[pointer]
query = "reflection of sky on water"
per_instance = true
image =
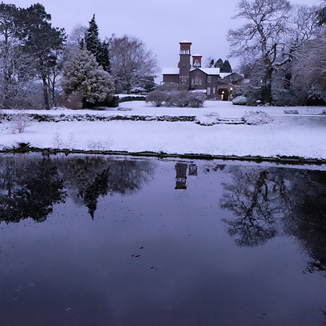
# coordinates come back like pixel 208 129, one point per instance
pixel 72 270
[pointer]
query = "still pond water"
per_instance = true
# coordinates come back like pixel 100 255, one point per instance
pixel 93 240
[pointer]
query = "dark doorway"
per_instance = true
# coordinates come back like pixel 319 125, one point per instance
pixel 224 94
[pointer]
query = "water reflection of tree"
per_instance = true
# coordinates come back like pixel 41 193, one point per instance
pixel 276 201
pixel 308 217
pixel 29 188
pixel 97 176
pixel 256 196
pixel 31 185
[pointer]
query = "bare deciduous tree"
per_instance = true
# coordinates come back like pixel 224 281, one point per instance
pixel 275 30
pixel 75 38
pixel 131 62
pixel 309 69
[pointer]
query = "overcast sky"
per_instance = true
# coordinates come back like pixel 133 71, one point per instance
pixel 161 24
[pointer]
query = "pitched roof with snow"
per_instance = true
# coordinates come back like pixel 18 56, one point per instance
pixel 224 74
pixel 209 71
pixel 170 71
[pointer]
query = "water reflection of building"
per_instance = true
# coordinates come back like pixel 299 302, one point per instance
pixel 192 169
pixel 181 174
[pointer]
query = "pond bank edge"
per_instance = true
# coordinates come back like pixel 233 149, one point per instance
pixel 24 148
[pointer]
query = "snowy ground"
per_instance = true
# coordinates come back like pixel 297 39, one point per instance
pixel 300 134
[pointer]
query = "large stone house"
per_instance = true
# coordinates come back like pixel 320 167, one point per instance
pixel 193 76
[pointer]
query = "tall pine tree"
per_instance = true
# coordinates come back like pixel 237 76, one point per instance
pixel 8 61
pixel 43 42
pixel 93 44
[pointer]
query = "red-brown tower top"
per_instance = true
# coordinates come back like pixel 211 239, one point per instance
pixel 185 47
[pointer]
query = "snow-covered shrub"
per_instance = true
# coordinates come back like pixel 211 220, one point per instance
pixel 316 96
pixel 171 98
pixel 240 100
pixel 131 98
pixel 157 97
pixel 195 99
pixel 29 99
pixel 19 122
pixel 74 101
pixel 138 90
pixel 256 118
pixel 179 98
pixel 176 97
pixel 252 96
pixel 208 119
pixel 282 97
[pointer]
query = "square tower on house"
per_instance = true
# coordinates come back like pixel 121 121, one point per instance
pixel 184 63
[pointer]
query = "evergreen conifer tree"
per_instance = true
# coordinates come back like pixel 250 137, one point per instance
pixel 42 42
pixel 218 63
pixel 99 49
pixel 84 79
pixel 226 67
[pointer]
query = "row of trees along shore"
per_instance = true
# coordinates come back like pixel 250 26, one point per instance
pixel 282 50
pixel 42 67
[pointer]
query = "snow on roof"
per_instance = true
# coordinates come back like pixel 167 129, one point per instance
pixel 209 71
pixel 170 71
pixel 224 74
pixel 185 41
pixel 197 55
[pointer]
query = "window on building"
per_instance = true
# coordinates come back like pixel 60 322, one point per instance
pixel 198 81
pixel 209 79
pixel 208 91
pixel 192 81
pixel 214 90
pixel 184 79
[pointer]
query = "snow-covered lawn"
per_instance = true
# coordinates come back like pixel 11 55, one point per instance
pixel 300 134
